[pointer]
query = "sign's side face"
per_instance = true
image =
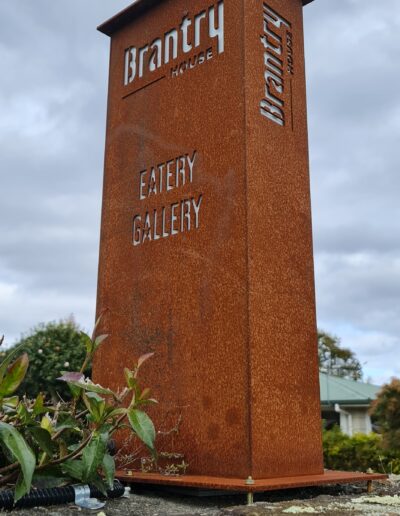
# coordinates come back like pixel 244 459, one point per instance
pixel 172 268
pixel 285 409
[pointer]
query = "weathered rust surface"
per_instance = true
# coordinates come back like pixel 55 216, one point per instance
pixel 132 11
pixel 227 306
pixel 238 484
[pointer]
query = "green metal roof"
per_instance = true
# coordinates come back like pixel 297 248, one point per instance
pixel 345 392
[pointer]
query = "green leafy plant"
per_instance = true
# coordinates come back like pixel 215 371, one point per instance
pixel 360 452
pixel 48 443
pixel 52 348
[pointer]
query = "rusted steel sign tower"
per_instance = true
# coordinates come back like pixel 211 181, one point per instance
pixel 206 245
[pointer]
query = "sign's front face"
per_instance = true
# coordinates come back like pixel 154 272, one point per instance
pixel 200 196
pixel 173 246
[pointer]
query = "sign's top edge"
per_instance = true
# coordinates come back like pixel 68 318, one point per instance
pixel 110 26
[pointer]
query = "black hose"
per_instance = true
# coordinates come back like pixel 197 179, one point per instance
pixel 117 491
pixel 53 496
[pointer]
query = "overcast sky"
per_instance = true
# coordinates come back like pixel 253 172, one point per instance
pixel 52 122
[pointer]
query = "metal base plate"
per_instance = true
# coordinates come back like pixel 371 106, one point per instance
pixel 240 485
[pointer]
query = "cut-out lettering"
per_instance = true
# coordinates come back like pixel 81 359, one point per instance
pixel 130 65
pixel 186 46
pixel 155 60
pixel 197 27
pixel 205 28
pixel 277 43
pixel 216 30
pixel 172 218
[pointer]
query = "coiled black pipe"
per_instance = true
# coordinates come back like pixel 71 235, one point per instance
pixel 53 496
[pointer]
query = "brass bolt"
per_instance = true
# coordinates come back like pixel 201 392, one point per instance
pixel 250 495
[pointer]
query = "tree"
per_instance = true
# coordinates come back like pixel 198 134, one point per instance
pixel 52 348
pixel 336 360
pixel 386 413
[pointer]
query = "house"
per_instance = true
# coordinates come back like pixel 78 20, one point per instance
pixel 346 403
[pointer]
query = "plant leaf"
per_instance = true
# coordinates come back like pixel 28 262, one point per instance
pixel 93 455
pixel 148 401
pixel 20 450
pixel 21 488
pixel 95 404
pixel 52 476
pixel 24 414
pixel 93 387
pixel 73 468
pixel 67 423
pixel 87 341
pixel 69 376
pixel 94 397
pixel 47 424
pixel 109 469
pixel 43 439
pixel 14 376
pixel 38 407
pixel 11 402
pixel 75 391
pixel 98 482
pixel 4 365
pixel 145 394
pixel 98 322
pixel 143 426
pixel 116 412
pixel 98 341
pixel 143 359
pixel 130 378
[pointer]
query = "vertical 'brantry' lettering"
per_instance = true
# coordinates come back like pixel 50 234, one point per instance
pixel 277 61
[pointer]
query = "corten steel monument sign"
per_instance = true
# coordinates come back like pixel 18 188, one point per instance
pixel 206 246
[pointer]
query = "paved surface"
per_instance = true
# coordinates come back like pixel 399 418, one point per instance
pixel 332 500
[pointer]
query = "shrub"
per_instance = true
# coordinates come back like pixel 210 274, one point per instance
pixel 360 452
pixel 385 411
pixel 52 348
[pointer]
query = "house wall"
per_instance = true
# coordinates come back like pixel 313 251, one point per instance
pixel 361 420
pixel 352 419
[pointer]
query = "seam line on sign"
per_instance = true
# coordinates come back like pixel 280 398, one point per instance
pixel 143 87
pixel 291 103
pixel 249 411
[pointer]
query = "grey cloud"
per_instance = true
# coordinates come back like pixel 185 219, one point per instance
pixel 354 124
pixel 52 104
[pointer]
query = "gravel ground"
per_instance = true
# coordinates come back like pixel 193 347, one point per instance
pixel 329 500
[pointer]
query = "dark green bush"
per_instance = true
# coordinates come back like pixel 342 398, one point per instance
pixel 360 452
pixel 385 411
pixel 52 348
